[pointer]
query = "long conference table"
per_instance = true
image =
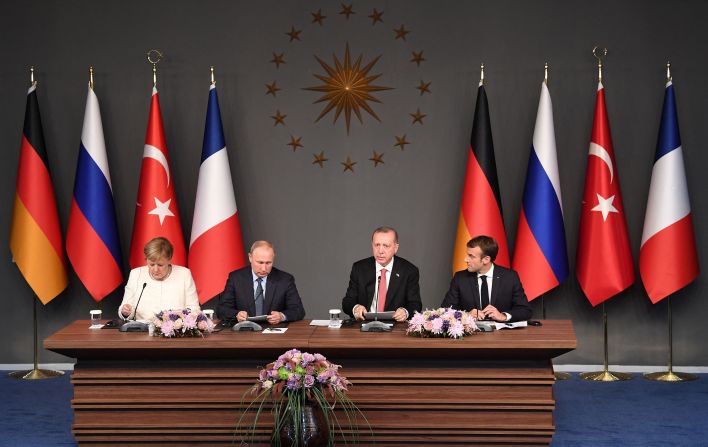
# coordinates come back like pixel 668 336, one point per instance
pixel 491 388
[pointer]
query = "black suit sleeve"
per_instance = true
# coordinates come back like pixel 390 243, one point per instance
pixel 413 302
pixel 294 310
pixel 352 297
pixel 226 310
pixel 520 308
pixel 452 297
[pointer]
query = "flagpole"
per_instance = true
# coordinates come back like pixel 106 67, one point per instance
pixel 154 56
pixel 605 375
pixel 35 373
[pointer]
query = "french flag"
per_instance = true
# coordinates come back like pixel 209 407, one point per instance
pixel 92 242
pixel 216 245
pixel 668 260
pixel 540 255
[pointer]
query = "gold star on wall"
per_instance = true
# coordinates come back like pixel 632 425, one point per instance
pixel 293 34
pixel 320 159
pixel 375 16
pixel 401 142
pixel 347 87
pixel 317 17
pixel 417 117
pixel 417 57
pixel 279 119
pixel 401 32
pixel 377 158
pixel 347 10
pixel 272 89
pixel 278 59
pixel 348 164
pixel 424 87
pixel 295 143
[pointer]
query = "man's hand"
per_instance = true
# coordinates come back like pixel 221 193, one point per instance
pixel 275 317
pixel 126 310
pixel 492 312
pixel 241 316
pixel 400 315
pixel 359 312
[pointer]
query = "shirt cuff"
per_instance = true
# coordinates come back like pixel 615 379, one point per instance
pixel 283 317
pixel 508 316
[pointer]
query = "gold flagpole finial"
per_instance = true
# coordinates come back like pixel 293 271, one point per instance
pixel 213 82
pixel 32 81
pixel 668 72
pixel 91 78
pixel 481 74
pixel 600 54
pixel 545 73
pixel 154 56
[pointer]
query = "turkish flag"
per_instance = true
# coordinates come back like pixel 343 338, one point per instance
pixel 604 259
pixel 156 212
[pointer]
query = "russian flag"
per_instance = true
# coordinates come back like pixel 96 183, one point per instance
pixel 540 255
pixel 668 260
pixel 216 246
pixel 92 242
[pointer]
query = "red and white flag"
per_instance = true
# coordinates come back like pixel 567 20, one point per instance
pixel 156 212
pixel 604 261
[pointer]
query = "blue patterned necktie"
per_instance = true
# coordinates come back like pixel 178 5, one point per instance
pixel 259 297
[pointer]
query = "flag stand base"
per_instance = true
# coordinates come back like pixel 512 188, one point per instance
pixel 670 376
pixel 605 376
pixel 35 373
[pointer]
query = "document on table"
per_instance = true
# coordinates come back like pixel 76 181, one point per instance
pixel 275 330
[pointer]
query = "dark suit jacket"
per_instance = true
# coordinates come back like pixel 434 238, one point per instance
pixel 507 293
pixel 403 289
pixel 280 295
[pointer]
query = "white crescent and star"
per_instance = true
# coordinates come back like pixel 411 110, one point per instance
pixel 157 155
pixel 602 154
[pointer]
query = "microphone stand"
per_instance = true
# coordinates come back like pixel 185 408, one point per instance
pixel 134 325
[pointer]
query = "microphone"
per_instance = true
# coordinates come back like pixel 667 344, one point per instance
pixel 135 311
pixel 133 325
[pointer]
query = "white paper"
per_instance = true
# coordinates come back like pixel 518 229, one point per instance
pixel 275 330
pixel 319 323
pixel 96 326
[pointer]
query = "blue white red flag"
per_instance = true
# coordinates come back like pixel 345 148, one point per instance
pixel 92 242
pixel 668 260
pixel 540 254
pixel 216 245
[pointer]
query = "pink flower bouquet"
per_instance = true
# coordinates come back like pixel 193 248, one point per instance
pixel 182 323
pixel 442 322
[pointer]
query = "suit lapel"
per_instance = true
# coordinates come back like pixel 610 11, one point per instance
pixel 474 283
pixel 271 285
pixel 248 291
pixel 370 282
pixel 393 282
pixel 498 273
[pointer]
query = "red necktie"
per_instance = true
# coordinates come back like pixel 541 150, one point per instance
pixel 382 292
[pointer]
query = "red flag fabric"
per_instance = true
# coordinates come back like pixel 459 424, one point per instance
pixel 156 212
pixel 604 260
pixel 35 236
pixel 480 209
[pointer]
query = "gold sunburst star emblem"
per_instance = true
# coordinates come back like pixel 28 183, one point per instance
pixel 348 164
pixel 348 88
pixel 377 158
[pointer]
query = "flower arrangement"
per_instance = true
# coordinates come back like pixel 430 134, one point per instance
pixel 182 323
pixel 294 384
pixel 442 322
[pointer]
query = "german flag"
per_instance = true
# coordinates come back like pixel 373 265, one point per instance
pixel 480 210
pixel 35 236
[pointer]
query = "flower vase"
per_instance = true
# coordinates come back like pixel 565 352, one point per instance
pixel 315 431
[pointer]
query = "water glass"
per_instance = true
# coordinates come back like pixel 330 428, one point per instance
pixel 334 320
pixel 96 317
